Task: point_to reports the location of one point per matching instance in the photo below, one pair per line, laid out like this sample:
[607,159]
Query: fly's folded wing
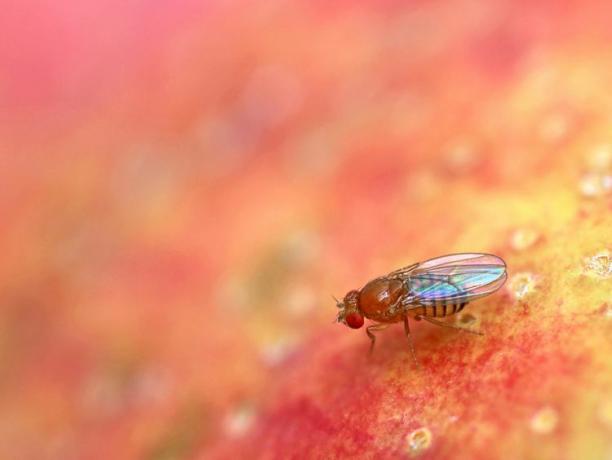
[456,278]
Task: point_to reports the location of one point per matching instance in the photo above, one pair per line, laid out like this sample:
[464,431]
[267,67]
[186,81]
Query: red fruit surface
[184,184]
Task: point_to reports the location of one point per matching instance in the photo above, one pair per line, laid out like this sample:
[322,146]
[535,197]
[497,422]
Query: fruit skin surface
[184,186]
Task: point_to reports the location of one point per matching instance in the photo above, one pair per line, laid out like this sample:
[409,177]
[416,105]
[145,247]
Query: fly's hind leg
[370,331]
[451,326]
[407,331]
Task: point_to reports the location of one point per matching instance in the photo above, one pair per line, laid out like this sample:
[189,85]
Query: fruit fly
[436,288]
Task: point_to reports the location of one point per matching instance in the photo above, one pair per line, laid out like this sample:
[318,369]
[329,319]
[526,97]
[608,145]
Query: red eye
[354,320]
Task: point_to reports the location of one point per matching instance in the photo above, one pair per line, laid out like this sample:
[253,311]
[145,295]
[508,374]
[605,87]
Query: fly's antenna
[340,306]
[338,303]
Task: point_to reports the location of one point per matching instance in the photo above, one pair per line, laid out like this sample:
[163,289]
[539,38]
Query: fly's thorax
[351,300]
[379,299]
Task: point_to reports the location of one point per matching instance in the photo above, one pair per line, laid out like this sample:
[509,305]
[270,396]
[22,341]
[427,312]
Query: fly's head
[349,312]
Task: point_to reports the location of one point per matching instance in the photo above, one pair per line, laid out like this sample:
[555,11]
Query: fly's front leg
[407,331]
[451,326]
[370,331]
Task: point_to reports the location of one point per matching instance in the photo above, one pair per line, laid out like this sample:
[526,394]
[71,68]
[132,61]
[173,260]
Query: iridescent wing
[402,273]
[455,278]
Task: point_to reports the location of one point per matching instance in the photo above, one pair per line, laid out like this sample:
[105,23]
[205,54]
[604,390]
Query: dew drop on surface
[523,238]
[604,413]
[600,159]
[554,127]
[544,421]
[606,310]
[461,158]
[275,352]
[299,301]
[522,284]
[151,386]
[239,421]
[595,184]
[468,320]
[418,441]
[599,265]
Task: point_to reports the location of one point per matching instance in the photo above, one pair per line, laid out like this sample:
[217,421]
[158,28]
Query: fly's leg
[370,331]
[407,331]
[451,326]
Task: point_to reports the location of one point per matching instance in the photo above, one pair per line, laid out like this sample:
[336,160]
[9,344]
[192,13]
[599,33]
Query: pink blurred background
[185,183]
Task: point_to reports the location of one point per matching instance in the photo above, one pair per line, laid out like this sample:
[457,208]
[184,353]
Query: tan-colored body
[383,299]
[380,300]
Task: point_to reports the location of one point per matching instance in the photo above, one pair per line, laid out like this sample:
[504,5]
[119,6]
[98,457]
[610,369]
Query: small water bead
[468,320]
[554,127]
[275,352]
[461,158]
[521,284]
[599,265]
[523,238]
[239,421]
[600,159]
[604,413]
[596,184]
[544,421]
[418,441]
[151,386]
[300,300]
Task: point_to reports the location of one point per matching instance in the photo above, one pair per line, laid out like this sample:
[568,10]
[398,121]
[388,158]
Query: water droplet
[461,158]
[274,353]
[595,184]
[607,311]
[418,441]
[604,413]
[544,421]
[523,238]
[239,421]
[600,159]
[467,318]
[300,300]
[554,127]
[599,265]
[150,386]
[522,284]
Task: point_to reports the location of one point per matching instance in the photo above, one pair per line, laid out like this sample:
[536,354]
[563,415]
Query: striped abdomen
[439,309]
